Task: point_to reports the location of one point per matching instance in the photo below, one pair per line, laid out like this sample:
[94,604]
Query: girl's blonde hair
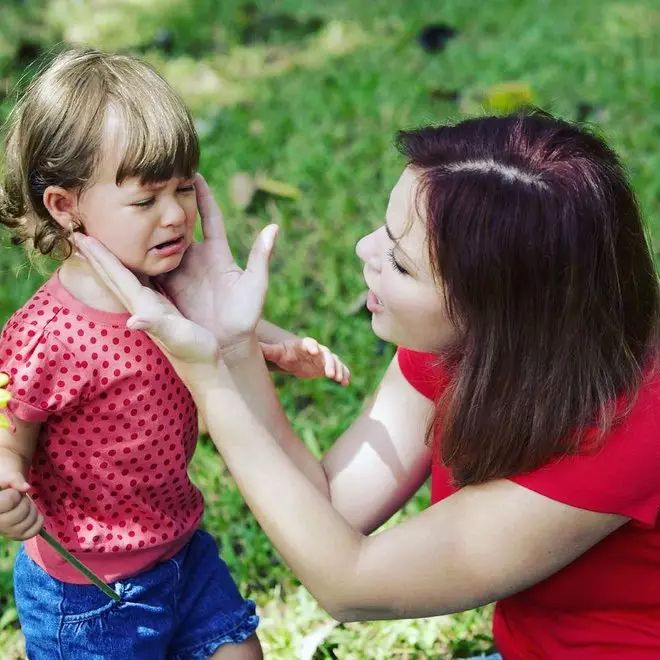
[57,131]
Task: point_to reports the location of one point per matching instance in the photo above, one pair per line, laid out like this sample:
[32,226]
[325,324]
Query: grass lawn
[310,93]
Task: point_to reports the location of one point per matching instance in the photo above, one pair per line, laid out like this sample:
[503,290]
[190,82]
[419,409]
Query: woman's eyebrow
[396,242]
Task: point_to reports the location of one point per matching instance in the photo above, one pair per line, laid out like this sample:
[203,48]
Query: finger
[123,284]
[339,369]
[20,528]
[34,529]
[17,514]
[261,252]
[310,345]
[328,361]
[16,481]
[9,500]
[343,374]
[347,376]
[139,323]
[213,224]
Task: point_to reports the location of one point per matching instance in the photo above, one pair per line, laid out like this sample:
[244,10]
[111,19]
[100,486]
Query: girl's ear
[61,204]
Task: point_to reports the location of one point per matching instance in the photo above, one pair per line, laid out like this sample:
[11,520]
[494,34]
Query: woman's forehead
[404,221]
[403,211]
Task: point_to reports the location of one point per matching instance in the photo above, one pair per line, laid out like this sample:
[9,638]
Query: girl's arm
[17,447]
[481,544]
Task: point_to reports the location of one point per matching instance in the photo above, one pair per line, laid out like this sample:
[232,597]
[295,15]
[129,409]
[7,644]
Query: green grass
[315,102]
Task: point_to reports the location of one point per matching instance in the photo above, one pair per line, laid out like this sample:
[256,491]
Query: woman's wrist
[199,376]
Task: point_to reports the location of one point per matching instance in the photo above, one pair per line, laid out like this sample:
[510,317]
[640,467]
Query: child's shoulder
[37,312]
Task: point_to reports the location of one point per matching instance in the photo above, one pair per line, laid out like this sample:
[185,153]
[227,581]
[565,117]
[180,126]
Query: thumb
[16,481]
[262,250]
[141,322]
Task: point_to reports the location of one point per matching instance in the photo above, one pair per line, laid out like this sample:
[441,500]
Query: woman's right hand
[19,517]
[237,301]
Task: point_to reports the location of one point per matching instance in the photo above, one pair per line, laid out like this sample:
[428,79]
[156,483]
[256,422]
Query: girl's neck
[82,282]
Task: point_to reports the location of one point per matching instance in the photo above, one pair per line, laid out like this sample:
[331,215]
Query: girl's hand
[306,358]
[209,287]
[19,517]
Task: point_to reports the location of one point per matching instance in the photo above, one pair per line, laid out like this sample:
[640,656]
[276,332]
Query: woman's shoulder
[428,373]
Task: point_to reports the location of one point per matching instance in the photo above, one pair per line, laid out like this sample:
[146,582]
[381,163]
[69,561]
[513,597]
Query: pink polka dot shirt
[118,431]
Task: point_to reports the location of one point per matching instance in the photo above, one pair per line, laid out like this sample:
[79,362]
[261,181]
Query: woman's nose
[366,250]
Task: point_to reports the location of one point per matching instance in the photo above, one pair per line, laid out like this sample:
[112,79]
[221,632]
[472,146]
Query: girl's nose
[174,214]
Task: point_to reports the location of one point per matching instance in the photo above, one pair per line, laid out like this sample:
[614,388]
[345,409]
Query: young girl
[512,269]
[104,428]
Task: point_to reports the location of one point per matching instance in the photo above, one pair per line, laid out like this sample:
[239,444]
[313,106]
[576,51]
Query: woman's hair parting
[537,239]
[58,130]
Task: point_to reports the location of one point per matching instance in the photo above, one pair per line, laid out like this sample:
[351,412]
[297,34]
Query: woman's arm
[374,467]
[481,544]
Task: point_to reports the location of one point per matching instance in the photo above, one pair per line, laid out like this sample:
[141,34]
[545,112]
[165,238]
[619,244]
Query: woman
[512,271]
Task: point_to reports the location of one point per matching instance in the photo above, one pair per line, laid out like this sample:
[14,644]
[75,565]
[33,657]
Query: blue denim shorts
[184,608]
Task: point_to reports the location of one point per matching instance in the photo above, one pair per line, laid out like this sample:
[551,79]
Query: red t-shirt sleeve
[45,377]
[622,476]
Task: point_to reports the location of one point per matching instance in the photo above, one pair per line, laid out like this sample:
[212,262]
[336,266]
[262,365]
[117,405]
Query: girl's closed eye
[395,264]
[144,203]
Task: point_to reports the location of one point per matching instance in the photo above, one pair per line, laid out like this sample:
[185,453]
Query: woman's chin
[380,329]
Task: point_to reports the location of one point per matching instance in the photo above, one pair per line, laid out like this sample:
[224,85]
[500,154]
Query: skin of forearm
[247,369]
[11,461]
[270,478]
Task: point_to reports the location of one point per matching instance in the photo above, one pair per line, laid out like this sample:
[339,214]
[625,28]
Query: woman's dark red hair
[537,238]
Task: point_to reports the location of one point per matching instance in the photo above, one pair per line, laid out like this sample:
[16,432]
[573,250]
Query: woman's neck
[82,282]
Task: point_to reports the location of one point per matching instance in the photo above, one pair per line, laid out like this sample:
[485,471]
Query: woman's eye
[186,189]
[395,264]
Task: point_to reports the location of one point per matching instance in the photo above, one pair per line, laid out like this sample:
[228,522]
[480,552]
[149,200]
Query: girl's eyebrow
[154,185]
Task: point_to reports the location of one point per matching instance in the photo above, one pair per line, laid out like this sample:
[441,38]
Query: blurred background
[297,103]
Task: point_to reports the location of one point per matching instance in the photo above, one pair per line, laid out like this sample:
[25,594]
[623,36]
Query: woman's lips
[374,303]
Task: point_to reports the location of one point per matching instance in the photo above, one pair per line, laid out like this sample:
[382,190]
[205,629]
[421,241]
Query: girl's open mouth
[169,248]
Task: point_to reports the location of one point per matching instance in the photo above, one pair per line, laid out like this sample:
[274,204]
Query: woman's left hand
[182,339]
[209,287]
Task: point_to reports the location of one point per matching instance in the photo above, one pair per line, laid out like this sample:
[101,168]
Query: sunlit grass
[310,94]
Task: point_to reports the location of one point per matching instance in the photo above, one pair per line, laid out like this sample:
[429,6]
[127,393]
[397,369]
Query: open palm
[209,287]
[182,339]
[224,302]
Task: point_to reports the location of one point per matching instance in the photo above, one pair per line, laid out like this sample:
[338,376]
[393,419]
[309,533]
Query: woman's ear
[61,204]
